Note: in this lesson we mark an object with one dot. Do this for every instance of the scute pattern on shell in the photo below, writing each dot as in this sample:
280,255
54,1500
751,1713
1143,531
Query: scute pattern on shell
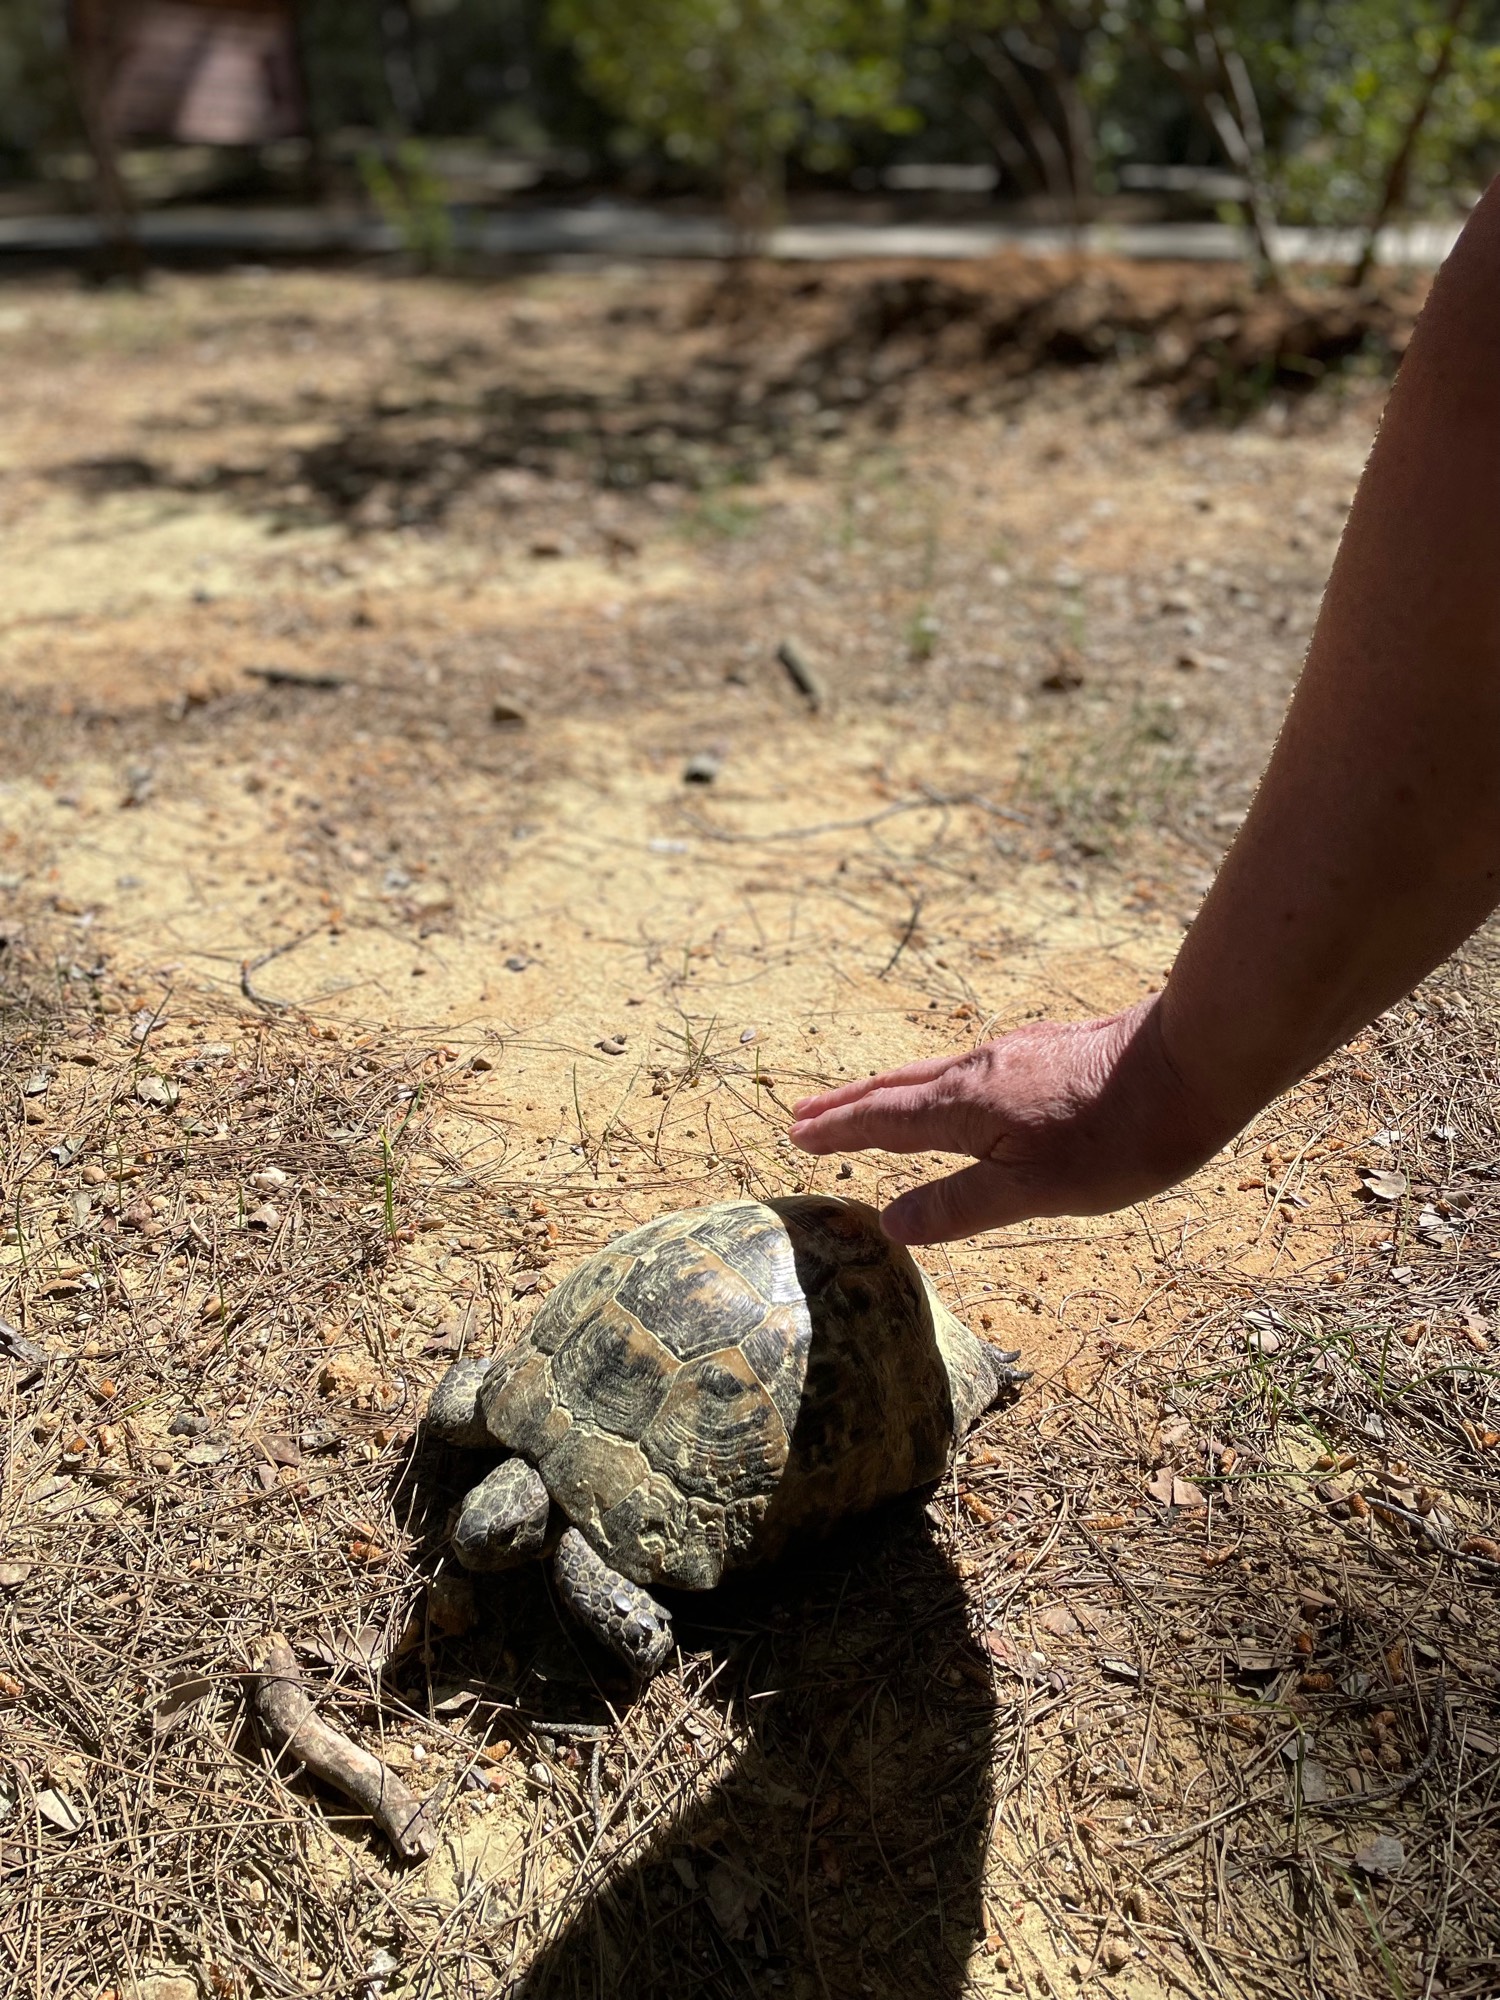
717,1380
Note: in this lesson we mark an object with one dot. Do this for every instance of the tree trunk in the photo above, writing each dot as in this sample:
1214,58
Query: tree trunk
120,254
1216,79
1014,77
1399,171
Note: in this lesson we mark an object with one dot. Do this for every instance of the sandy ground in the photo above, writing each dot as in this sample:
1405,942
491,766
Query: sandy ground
554,884
312,667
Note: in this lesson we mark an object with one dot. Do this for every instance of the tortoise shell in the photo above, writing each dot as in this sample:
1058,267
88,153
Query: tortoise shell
714,1381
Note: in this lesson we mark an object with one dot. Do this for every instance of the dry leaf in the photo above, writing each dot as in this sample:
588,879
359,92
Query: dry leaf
1384,1855
1384,1183
1170,1490
60,1810
732,1898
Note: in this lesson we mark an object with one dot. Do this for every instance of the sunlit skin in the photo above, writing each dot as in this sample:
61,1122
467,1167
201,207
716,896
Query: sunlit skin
1371,851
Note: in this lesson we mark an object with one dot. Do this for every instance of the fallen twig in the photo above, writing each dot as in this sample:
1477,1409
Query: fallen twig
249,966
802,674
285,1712
289,677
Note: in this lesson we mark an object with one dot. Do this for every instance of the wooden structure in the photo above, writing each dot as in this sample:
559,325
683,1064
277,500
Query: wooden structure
201,72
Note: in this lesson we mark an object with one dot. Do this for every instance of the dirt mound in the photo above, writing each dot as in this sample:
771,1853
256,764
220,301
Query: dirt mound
765,369
1213,339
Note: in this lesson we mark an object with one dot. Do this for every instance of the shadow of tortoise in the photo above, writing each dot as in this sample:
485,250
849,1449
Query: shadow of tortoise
843,1852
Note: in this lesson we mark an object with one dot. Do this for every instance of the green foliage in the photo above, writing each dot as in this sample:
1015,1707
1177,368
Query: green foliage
410,198
736,85
36,101
1355,71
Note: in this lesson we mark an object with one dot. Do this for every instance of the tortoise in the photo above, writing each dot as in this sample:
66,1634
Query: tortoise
699,1391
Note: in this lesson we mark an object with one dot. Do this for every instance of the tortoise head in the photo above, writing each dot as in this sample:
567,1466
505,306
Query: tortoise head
503,1521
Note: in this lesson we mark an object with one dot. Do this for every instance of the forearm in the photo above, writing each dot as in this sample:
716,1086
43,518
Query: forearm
1373,845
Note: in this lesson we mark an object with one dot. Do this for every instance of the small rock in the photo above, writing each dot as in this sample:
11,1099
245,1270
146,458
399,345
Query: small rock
187,1424
264,1217
505,715
450,1605
36,1085
382,1965
702,768
163,1986
515,963
1384,1855
1063,679
747,1034
205,1454
611,1045
1115,1955
13,1574
158,1092
1264,1340
1059,1621
269,1178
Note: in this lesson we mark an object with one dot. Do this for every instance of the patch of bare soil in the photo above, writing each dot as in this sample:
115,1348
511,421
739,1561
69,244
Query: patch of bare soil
416,874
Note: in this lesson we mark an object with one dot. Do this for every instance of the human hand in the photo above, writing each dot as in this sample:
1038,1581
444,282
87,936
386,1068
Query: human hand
1062,1119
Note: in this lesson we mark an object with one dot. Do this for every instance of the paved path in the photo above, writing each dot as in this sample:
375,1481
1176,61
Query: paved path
609,229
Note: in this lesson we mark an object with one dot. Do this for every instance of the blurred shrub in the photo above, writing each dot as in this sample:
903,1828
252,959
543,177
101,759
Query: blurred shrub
1355,73
733,86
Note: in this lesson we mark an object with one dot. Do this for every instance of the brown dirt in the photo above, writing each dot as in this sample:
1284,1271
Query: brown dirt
1057,629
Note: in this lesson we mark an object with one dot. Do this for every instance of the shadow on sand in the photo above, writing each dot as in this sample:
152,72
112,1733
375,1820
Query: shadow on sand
843,1854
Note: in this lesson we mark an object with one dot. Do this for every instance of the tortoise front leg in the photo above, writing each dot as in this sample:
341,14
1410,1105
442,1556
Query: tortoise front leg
626,1618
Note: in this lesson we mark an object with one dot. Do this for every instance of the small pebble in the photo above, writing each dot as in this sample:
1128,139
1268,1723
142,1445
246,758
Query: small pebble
702,769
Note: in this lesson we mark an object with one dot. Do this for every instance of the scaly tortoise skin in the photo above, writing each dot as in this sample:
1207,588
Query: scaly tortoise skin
701,1390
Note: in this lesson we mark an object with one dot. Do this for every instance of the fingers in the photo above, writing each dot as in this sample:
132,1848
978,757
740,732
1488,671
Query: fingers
975,1198
849,1093
911,1119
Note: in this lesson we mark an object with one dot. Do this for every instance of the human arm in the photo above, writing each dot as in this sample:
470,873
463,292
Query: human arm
1371,850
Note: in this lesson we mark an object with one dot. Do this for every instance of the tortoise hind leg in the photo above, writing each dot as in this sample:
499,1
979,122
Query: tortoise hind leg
618,1612
978,1374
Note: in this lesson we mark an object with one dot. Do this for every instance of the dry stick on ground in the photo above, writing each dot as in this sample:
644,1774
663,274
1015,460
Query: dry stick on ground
253,965
285,1712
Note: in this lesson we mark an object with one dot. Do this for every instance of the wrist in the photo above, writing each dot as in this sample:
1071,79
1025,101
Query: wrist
1190,1118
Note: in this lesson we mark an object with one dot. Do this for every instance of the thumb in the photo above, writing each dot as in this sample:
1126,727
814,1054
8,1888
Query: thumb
961,1204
